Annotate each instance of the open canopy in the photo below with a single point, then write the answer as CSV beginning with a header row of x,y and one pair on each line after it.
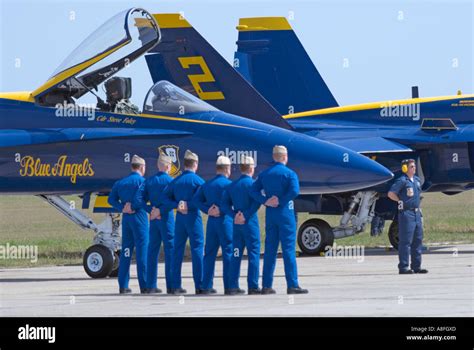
x,y
114,45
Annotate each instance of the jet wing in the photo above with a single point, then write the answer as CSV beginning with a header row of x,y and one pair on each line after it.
x,y
370,144
19,137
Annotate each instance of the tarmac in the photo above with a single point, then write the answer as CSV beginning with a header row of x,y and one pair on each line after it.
x,y
367,285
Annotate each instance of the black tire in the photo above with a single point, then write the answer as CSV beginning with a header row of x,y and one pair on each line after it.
x,y
393,234
314,236
98,261
114,272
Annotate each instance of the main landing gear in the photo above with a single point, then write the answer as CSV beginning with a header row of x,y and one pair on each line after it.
x,y
316,235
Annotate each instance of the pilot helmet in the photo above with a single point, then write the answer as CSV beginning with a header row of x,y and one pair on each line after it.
x,y
118,88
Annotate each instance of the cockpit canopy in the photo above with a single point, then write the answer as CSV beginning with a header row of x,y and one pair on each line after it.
x,y
165,97
114,45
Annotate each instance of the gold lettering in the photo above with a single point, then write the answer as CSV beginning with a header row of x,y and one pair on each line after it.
x,y
30,166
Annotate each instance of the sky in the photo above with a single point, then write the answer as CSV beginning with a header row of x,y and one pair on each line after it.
x,y
365,50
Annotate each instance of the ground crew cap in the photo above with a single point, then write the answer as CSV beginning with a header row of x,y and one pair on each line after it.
x,y
247,160
223,160
164,159
136,160
280,150
191,156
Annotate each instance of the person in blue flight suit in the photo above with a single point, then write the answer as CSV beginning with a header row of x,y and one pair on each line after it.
x,y
276,187
134,225
406,190
161,222
179,194
208,198
239,205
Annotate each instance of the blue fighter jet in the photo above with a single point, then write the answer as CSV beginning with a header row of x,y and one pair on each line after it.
x,y
52,145
279,85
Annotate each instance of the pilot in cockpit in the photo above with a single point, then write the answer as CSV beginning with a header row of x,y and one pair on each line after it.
x,y
118,91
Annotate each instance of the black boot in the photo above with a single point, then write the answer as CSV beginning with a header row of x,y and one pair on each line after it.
x,y
207,291
231,291
178,291
254,291
125,290
268,291
405,272
420,271
296,290
154,291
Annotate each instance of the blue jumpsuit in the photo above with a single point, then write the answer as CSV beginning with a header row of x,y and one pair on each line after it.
x,y
134,229
183,188
161,230
237,198
410,225
280,222
218,230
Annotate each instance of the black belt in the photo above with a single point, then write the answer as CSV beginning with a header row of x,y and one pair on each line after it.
x,y
411,209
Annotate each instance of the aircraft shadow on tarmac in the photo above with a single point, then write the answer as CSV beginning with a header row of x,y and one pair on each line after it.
x,y
381,251
447,250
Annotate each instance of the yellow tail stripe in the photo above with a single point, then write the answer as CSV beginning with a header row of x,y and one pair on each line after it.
x,y
171,20
263,23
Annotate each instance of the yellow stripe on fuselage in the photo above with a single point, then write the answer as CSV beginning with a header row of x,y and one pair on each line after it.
x,y
263,23
24,96
165,117
373,105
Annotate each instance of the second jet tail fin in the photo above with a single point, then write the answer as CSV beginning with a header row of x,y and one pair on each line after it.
x,y
187,60
271,57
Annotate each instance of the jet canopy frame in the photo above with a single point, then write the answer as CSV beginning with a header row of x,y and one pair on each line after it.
x,y
113,46
164,97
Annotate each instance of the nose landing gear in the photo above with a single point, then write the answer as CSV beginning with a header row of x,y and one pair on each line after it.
x,y
102,258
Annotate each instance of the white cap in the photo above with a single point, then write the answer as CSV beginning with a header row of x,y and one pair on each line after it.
x,y
190,155
247,160
223,160
164,159
138,160
280,150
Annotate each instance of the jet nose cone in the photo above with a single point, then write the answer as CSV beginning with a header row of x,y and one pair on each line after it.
x,y
362,172
324,167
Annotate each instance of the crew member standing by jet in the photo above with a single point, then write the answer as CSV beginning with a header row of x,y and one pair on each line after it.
x,y
239,205
179,194
161,222
134,225
219,226
280,186
118,91
406,190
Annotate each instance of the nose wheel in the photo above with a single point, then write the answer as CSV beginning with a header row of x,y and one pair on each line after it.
x,y
98,261
314,235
